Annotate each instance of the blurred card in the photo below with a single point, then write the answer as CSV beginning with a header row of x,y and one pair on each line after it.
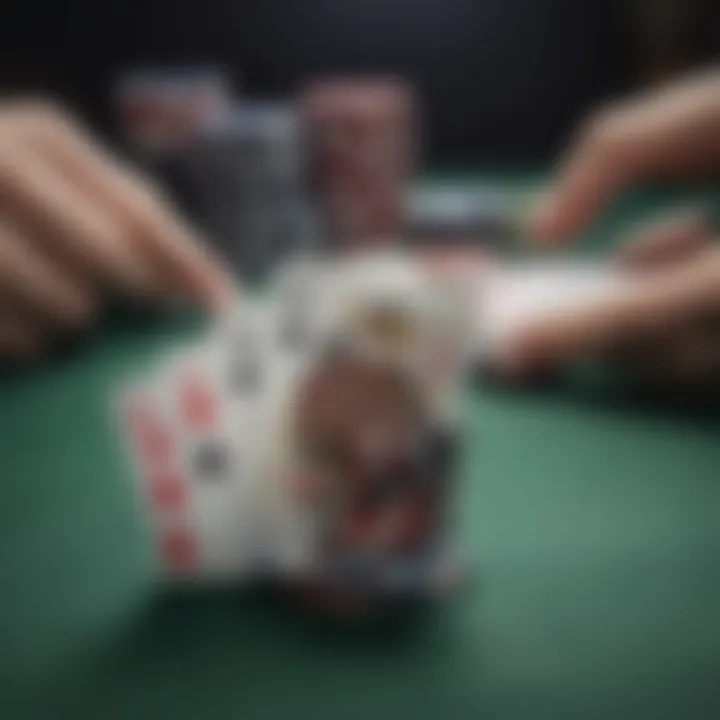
x,y
512,297
193,469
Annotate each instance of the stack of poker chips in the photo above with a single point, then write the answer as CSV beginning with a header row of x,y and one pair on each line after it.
x,y
246,174
159,110
362,138
459,215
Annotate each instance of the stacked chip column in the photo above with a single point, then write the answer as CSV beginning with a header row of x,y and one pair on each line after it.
x,y
160,110
248,175
363,147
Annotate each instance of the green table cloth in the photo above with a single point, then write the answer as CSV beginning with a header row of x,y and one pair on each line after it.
x,y
593,523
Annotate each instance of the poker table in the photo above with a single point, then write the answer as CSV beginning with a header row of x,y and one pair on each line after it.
x,y
591,519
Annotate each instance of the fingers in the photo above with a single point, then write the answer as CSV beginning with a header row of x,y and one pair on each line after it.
x,y
185,265
31,282
668,133
645,307
73,220
600,162
667,242
71,228
177,261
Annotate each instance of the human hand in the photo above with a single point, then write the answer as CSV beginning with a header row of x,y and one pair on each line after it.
x,y
669,133
663,323
75,221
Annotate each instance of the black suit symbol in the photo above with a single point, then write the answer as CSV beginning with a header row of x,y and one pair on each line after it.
x,y
211,460
245,371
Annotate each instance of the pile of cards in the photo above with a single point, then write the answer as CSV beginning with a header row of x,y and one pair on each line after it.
x,y
310,436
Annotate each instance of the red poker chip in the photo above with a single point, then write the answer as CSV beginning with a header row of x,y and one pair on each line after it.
x,y
360,129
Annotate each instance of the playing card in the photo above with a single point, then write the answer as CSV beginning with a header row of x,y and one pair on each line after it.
x,y
383,310
195,467
513,297
243,344
260,374
239,473
303,301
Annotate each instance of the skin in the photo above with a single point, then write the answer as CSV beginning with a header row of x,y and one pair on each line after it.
x,y
668,319
74,221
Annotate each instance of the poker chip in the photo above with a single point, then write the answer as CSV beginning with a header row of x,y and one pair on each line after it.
x,y
247,174
363,136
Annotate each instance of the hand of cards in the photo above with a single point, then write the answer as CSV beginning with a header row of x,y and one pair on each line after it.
x,y
310,436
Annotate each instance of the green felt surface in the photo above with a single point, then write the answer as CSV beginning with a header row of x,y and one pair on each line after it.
x,y
593,523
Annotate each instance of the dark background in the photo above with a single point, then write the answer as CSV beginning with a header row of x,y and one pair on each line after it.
x,y
500,80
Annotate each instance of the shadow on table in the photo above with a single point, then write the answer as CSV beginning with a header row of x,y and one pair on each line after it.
x,y
253,651
615,394
122,325
202,616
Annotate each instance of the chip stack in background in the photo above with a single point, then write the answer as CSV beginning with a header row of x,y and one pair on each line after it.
x,y
460,215
160,110
363,145
246,172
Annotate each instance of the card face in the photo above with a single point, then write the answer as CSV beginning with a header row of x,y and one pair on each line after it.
x,y
194,466
302,300
246,360
513,297
212,430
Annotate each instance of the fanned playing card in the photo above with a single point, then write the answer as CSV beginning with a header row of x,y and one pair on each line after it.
x,y
195,467
302,305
